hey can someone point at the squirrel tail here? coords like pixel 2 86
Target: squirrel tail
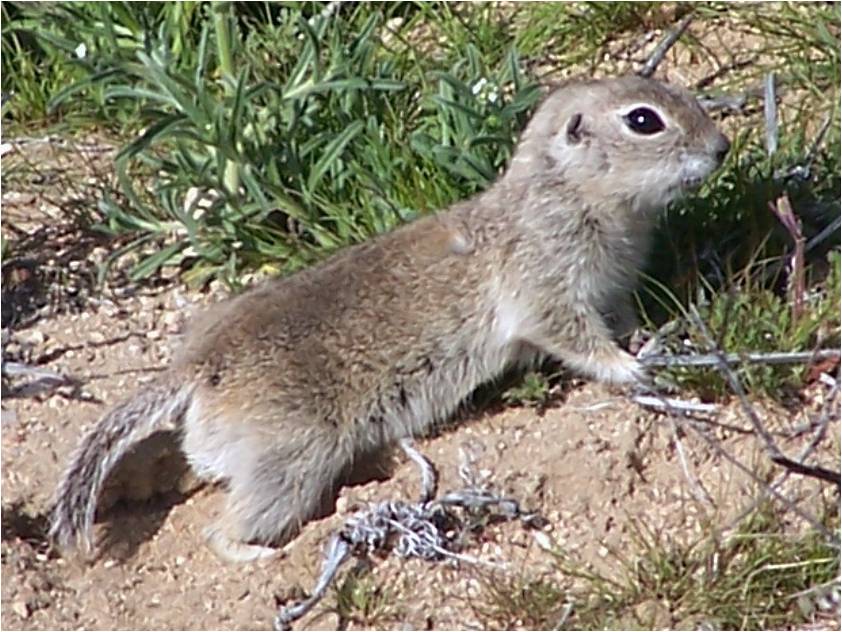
pixel 158 406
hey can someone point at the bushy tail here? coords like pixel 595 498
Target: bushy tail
pixel 151 409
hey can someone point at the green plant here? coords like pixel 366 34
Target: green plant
pixel 361 600
pixel 517 602
pixel 749 317
pixel 267 135
pixel 532 390
pixel 249 171
pixel 749 580
pixel 759 577
pixel 79 46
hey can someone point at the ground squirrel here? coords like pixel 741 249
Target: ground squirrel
pixel 277 391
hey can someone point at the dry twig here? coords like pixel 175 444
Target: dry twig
pixel 714 359
pixel 664 46
pixel 772 448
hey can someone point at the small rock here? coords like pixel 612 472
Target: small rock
pixel 32 338
pixel 21 608
pixel 543 540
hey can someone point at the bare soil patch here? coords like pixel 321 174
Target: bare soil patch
pixel 596 466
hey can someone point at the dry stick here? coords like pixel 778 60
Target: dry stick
pixel 716 445
pixel 775 453
pixel 696 487
pixel 735 102
pixel 818 526
pixel 770 111
pixel 663 47
pixel 782 209
pixel 822 424
pixel 429 476
pixel 827 231
pixel 407 529
pixel 721 70
pixel 824 420
pixel 714 359
pixel 674 405
pixel 816 471
pixel 45 380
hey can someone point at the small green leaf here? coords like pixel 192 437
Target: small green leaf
pixel 332 153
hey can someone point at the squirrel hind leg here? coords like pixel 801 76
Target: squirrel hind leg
pixel 279 473
pixel 277 492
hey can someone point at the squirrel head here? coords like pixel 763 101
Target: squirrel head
pixel 634 142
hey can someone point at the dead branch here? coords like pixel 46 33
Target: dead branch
pixel 696 487
pixel 674 405
pixel 770 112
pixel 715 359
pixel 664 46
pixel 772 448
pixel 782 209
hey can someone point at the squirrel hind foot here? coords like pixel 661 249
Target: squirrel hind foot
pixel 235 551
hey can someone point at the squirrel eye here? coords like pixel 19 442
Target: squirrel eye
pixel 644 121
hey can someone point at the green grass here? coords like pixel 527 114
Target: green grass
pixel 362 600
pixel 759 577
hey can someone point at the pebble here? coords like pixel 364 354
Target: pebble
pixel 32 338
pixel 96 337
pixel 21 608
pixel 542 540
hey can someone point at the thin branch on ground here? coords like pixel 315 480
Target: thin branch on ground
pixel 828 412
pixel 786 502
pixel 664 46
pixel 774 452
pixel 716 359
pixel 697 427
pixel 696 487
pixel 672 405
pixel 731 102
pixel 827 231
pixel 770 114
pixel 43 380
pixel 814 471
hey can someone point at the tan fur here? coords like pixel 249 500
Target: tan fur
pixel 278 390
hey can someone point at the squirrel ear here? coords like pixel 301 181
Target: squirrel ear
pixel 574 130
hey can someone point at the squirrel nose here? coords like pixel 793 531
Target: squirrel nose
pixel 721 148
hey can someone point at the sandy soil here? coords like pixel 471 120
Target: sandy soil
pixel 594 464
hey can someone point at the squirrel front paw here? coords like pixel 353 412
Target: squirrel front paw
pixel 614 366
pixel 621 368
